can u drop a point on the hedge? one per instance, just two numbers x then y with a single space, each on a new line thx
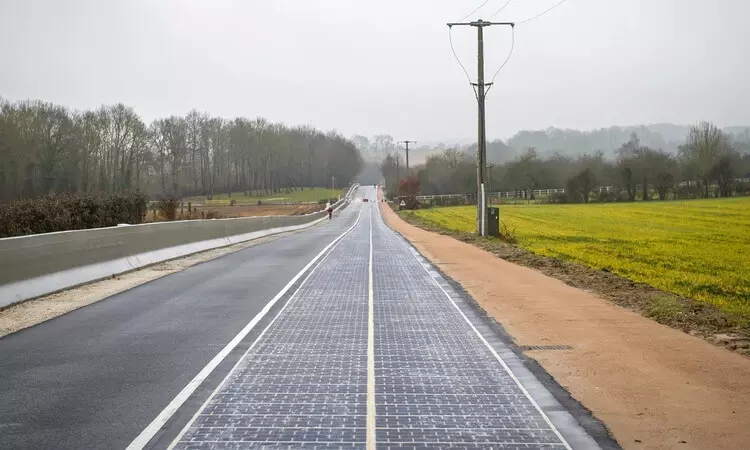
62 212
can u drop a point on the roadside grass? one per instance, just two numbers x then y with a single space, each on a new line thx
286 195
685 264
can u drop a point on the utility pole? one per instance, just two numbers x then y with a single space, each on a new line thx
398 172
407 152
398 176
480 91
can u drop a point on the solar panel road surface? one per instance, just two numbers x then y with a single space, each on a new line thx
372 351
339 336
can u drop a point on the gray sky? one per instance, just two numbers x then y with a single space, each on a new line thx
384 66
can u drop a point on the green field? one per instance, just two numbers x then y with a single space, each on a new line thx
699 249
306 195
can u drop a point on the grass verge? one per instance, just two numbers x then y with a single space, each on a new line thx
285 195
727 328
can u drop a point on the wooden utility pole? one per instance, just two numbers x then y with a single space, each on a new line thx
398 171
407 152
480 91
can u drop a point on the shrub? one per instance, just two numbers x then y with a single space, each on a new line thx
558 197
508 234
742 188
62 212
167 207
606 197
688 192
408 190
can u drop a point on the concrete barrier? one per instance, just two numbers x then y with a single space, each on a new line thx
36 265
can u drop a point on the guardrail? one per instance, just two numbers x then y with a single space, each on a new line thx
40 264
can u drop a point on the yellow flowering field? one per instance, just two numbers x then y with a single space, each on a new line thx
698 249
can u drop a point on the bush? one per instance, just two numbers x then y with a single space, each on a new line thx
558 197
167 208
688 192
408 190
62 212
607 197
507 234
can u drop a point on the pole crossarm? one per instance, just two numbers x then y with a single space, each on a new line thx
480 23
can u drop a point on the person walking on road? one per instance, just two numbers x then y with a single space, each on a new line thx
330 212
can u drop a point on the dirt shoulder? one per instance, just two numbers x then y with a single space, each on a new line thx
654 386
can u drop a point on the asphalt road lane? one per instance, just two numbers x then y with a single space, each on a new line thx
94 378
375 350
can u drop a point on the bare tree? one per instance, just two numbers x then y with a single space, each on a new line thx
706 144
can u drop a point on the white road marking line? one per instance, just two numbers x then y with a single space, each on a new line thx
151 429
370 352
415 253
202 408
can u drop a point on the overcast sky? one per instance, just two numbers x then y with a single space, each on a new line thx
385 66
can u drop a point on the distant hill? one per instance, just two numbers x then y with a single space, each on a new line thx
665 136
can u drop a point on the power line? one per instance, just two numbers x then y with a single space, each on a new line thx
499 10
510 53
450 38
513 36
477 9
541 13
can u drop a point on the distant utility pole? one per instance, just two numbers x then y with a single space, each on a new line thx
398 174
480 92
407 152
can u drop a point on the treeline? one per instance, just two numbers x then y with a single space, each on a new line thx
706 164
46 148
554 141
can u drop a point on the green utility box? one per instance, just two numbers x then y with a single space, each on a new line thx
493 221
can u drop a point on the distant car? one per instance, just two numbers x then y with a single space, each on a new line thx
365 199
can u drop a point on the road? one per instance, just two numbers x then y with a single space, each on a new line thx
369 347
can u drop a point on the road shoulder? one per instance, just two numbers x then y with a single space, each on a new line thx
654 387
